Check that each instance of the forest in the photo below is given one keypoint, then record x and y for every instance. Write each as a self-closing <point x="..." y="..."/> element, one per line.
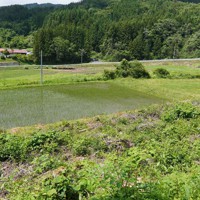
<point x="104" y="29"/>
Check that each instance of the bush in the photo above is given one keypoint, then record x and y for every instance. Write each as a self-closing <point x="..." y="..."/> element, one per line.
<point x="13" y="147"/>
<point x="45" y="162"/>
<point x="50" y="141"/>
<point x="58" y="188"/>
<point x="161" y="73"/>
<point x="183" y="111"/>
<point x="125" y="69"/>
<point x="24" y="59"/>
<point x="87" y="146"/>
<point x="109" y="74"/>
<point x="138" y="71"/>
<point x="3" y="57"/>
<point x="135" y="70"/>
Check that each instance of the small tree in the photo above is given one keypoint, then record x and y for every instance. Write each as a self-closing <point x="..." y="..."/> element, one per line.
<point x="109" y="74"/>
<point x="6" y="52"/>
<point x="3" y="57"/>
<point x="135" y="70"/>
<point x="161" y="73"/>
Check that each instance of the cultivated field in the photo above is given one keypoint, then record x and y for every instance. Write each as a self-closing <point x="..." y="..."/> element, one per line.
<point x="142" y="151"/>
<point x="78" y="91"/>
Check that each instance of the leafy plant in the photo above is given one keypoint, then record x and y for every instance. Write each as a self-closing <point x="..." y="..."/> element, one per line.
<point x="161" y="73"/>
<point x="109" y="75"/>
<point x="181" y="110"/>
<point x="12" y="147"/>
<point x="125" y="69"/>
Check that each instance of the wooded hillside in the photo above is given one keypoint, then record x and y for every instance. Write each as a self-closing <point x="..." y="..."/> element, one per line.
<point x="114" y="30"/>
<point x="105" y="29"/>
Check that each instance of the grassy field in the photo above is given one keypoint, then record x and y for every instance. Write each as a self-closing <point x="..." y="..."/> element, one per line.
<point x="78" y="91"/>
<point x="21" y="76"/>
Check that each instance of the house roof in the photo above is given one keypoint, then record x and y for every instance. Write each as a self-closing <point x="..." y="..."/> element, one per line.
<point x="15" y="51"/>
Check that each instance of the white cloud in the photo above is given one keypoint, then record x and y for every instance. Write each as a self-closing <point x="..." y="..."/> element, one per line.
<point x="12" y="2"/>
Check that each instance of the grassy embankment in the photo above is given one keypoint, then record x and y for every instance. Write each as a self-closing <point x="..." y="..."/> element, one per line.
<point x="146" y="154"/>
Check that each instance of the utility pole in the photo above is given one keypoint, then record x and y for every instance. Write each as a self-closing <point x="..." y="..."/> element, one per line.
<point x="82" y="52"/>
<point x="41" y="69"/>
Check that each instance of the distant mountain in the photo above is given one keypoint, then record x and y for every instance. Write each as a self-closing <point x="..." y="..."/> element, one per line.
<point x="191" y="1"/>
<point x="24" y="19"/>
<point x="44" y="5"/>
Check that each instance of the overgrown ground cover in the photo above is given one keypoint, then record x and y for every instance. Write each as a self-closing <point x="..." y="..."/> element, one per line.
<point x="151" y="153"/>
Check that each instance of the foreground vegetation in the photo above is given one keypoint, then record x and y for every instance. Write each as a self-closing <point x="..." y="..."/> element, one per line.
<point x="151" y="153"/>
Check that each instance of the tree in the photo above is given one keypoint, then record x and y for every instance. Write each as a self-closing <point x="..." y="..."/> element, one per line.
<point x="134" y="69"/>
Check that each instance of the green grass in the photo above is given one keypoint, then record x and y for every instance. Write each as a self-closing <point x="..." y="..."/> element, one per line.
<point x="11" y="77"/>
<point x="171" y="89"/>
<point x="66" y="95"/>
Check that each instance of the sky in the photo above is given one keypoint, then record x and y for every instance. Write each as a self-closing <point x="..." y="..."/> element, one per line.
<point x="12" y="2"/>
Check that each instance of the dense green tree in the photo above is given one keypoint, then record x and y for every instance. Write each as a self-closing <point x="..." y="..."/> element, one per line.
<point x="192" y="46"/>
<point x="111" y="29"/>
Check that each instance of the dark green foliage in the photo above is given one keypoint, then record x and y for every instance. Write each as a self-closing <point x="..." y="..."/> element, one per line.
<point x="134" y="70"/>
<point x="131" y="155"/>
<point x="161" y="73"/>
<point x="49" y="141"/>
<point x="22" y="20"/>
<point x="13" y="147"/>
<point x="28" y="59"/>
<point x="181" y="111"/>
<point x="109" y="75"/>
<point x="127" y="29"/>
<point x="59" y="188"/>
<point x="116" y="29"/>
<point x="138" y="70"/>
<point x="190" y="1"/>
<point x="126" y="69"/>
<point x="3" y="58"/>
<point x="88" y="146"/>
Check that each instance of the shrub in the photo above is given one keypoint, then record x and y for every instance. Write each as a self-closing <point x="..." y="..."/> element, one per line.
<point x="45" y="162"/>
<point x="3" y="57"/>
<point x="109" y="74"/>
<point x="182" y="110"/>
<point x="12" y="147"/>
<point x="49" y="141"/>
<point x="58" y="188"/>
<point x="138" y="71"/>
<point x="135" y="70"/>
<point x="125" y="69"/>
<point x="87" y="146"/>
<point x="161" y="73"/>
